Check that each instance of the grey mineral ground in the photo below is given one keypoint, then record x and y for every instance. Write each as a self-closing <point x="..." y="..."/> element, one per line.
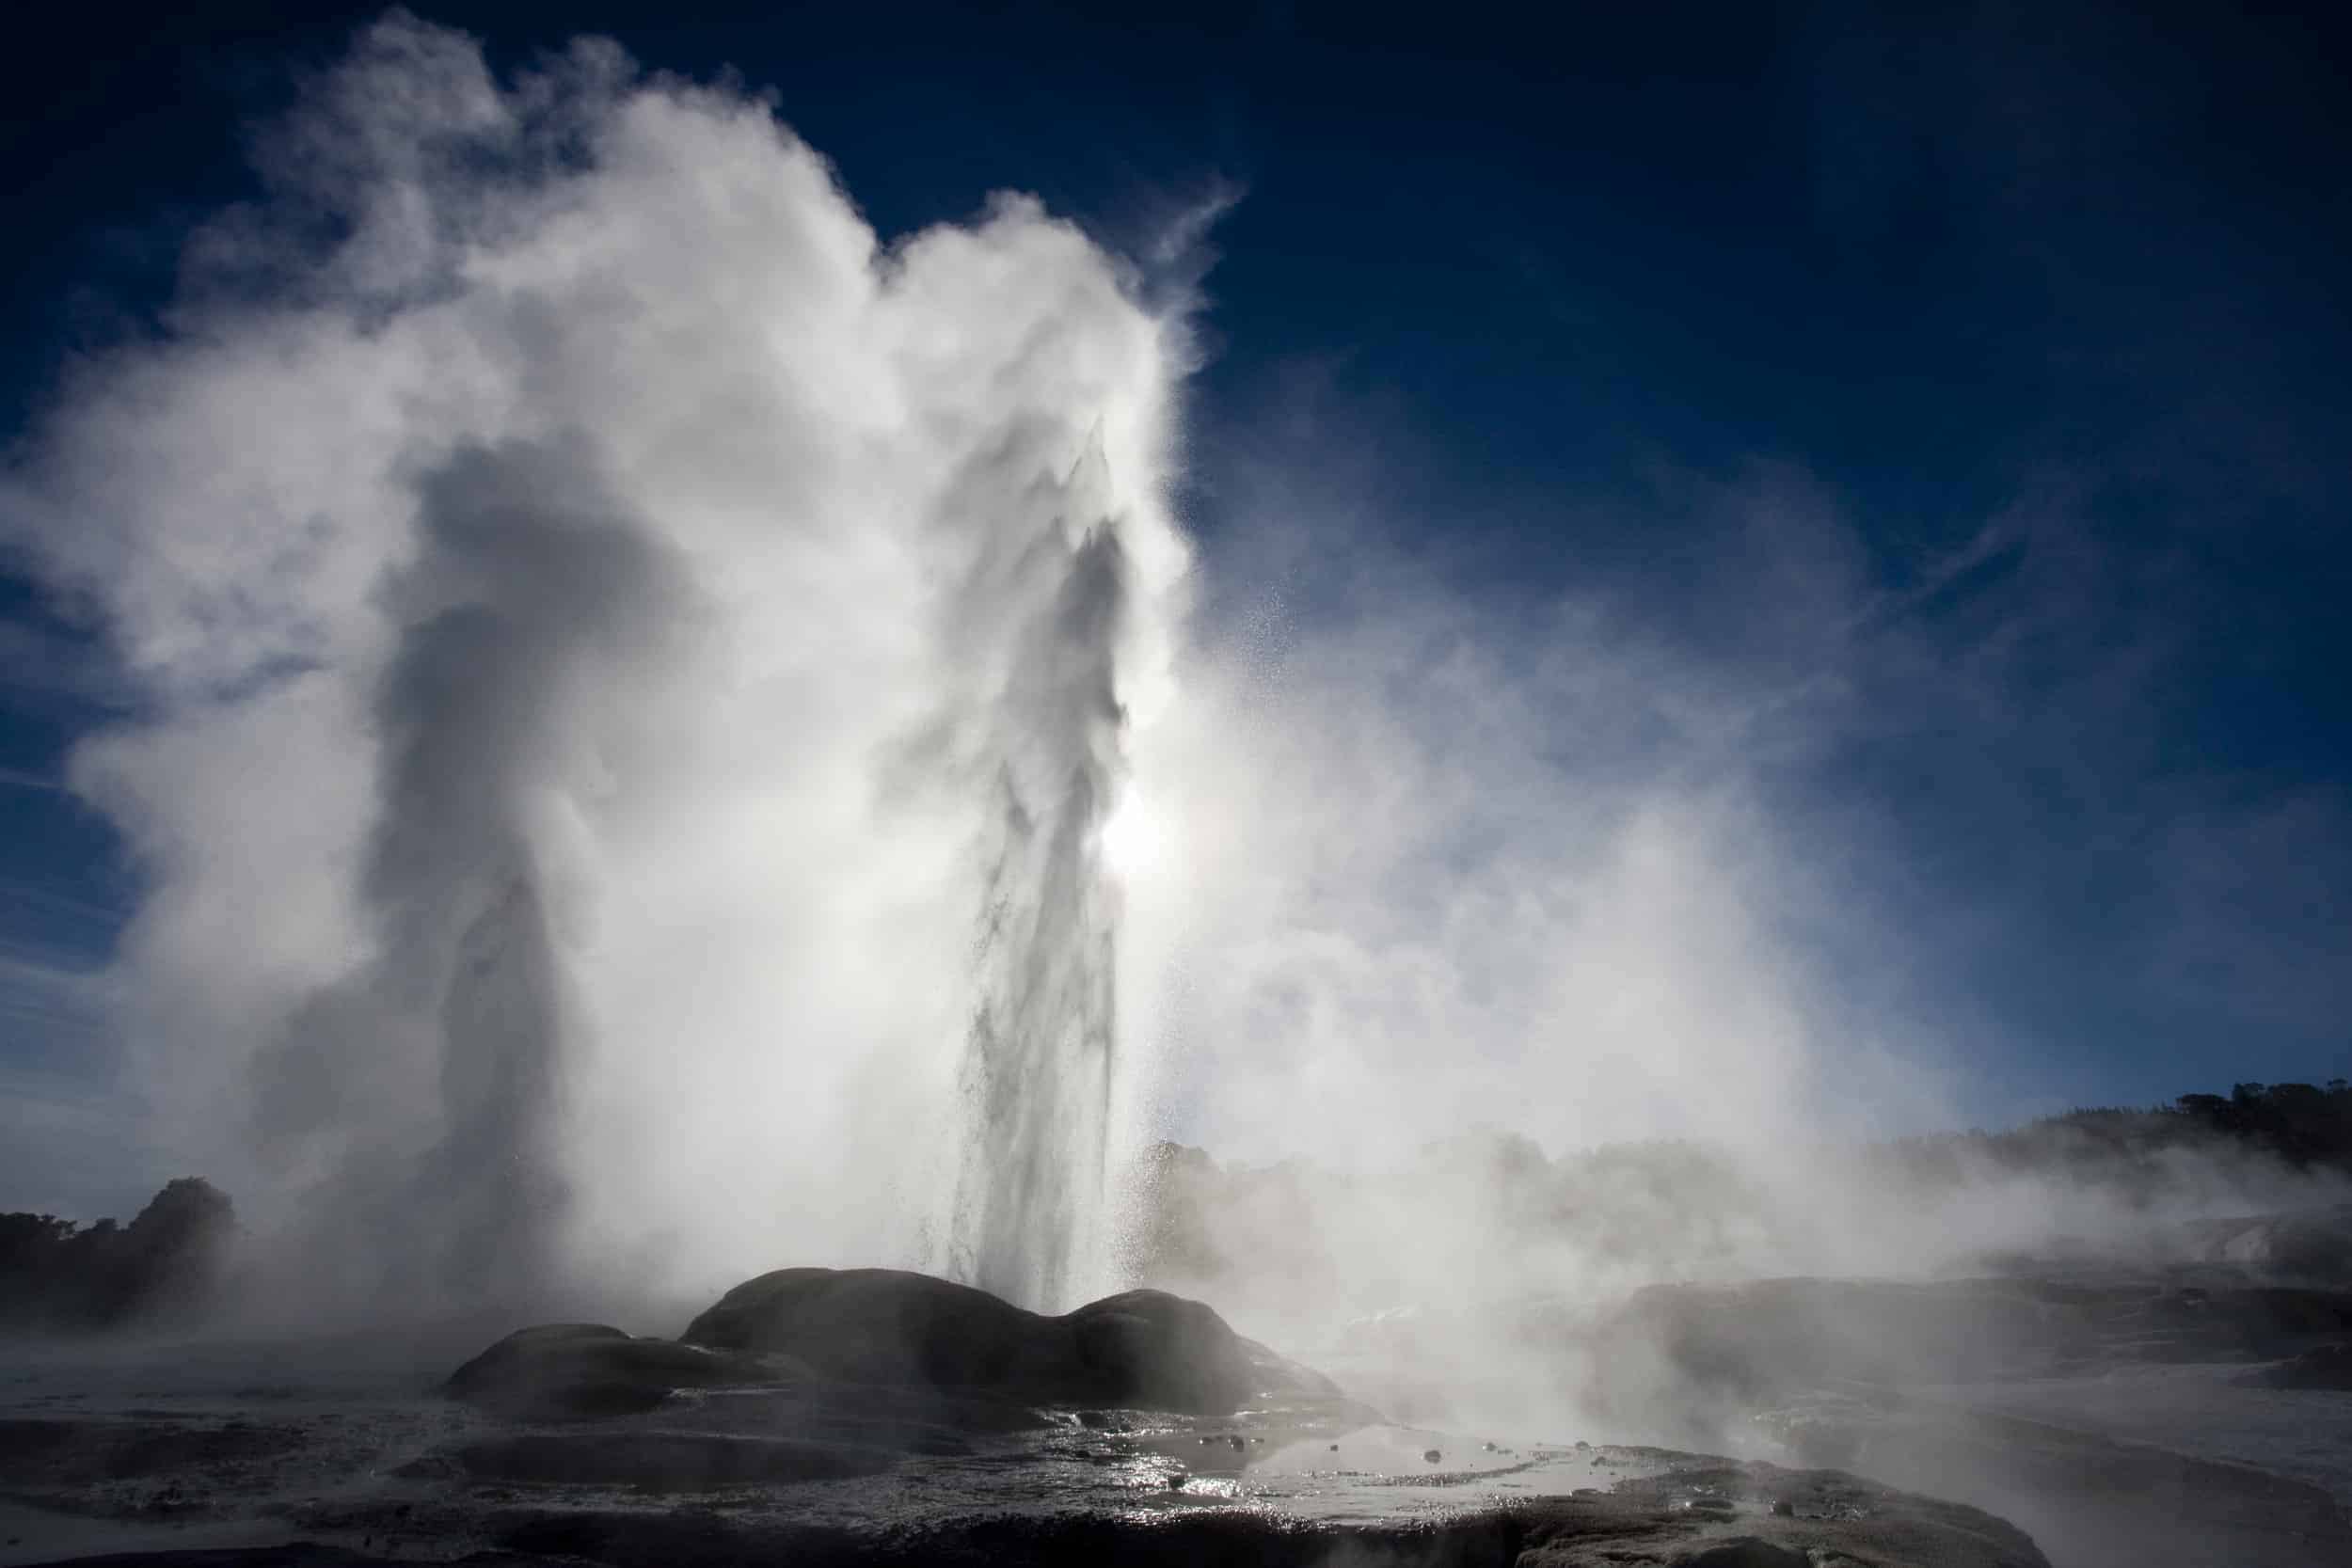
<point x="881" y="1419"/>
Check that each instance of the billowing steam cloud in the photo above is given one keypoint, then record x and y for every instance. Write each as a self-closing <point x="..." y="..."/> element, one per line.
<point x="632" y="675"/>
<point x="673" y="737"/>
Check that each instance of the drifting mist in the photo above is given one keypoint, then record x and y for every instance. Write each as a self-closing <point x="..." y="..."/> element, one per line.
<point x="630" y="674"/>
<point x="670" y="734"/>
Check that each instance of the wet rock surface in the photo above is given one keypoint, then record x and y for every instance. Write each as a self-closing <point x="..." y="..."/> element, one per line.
<point x="2175" y="1417"/>
<point x="888" y="1327"/>
<point x="862" y="1434"/>
<point x="2087" y="1498"/>
<point x="656" y="1460"/>
<point x="559" y="1369"/>
<point x="1065" y="1494"/>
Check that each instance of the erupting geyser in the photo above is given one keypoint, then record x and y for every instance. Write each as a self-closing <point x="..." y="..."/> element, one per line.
<point x="1052" y="580"/>
<point x="631" y="672"/>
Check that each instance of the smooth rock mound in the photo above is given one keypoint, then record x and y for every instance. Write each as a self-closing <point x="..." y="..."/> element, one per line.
<point x="1143" y="1348"/>
<point x="873" y="1325"/>
<point x="557" y="1370"/>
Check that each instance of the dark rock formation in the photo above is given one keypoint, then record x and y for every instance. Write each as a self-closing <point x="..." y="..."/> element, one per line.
<point x="559" y="1370"/>
<point x="883" y="1419"/>
<point x="887" y="1419"/>
<point x="873" y="1325"/>
<point x="1145" y="1348"/>
<point x="1160" y="1352"/>
<point x="923" y="1355"/>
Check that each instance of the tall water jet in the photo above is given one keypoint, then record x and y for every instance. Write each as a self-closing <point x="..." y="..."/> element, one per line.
<point x="627" y="673"/>
<point x="1044" y="612"/>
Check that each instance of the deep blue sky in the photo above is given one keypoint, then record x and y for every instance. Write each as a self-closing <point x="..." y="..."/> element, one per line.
<point x="2076" y="272"/>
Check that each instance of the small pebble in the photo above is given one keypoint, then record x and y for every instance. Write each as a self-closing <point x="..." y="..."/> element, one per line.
<point x="1433" y="1455"/>
<point x="1784" y="1508"/>
<point x="1238" y="1444"/>
<point x="1335" y="1447"/>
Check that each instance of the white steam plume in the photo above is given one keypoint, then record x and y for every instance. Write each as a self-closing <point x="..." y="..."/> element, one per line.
<point x="631" y="672"/>
<point x="668" y="743"/>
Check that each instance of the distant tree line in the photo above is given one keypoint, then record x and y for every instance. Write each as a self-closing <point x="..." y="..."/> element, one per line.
<point x="2302" y="1126"/>
<point x="2298" y="1123"/>
<point x="60" y="1276"/>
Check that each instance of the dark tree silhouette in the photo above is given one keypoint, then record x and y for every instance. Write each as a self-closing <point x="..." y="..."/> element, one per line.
<point x="166" y="1262"/>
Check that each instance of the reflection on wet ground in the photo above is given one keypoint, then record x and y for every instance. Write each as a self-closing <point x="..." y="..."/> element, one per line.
<point x="144" y="1455"/>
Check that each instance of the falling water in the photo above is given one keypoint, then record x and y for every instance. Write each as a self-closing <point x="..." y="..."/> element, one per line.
<point x="1043" y="611"/>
